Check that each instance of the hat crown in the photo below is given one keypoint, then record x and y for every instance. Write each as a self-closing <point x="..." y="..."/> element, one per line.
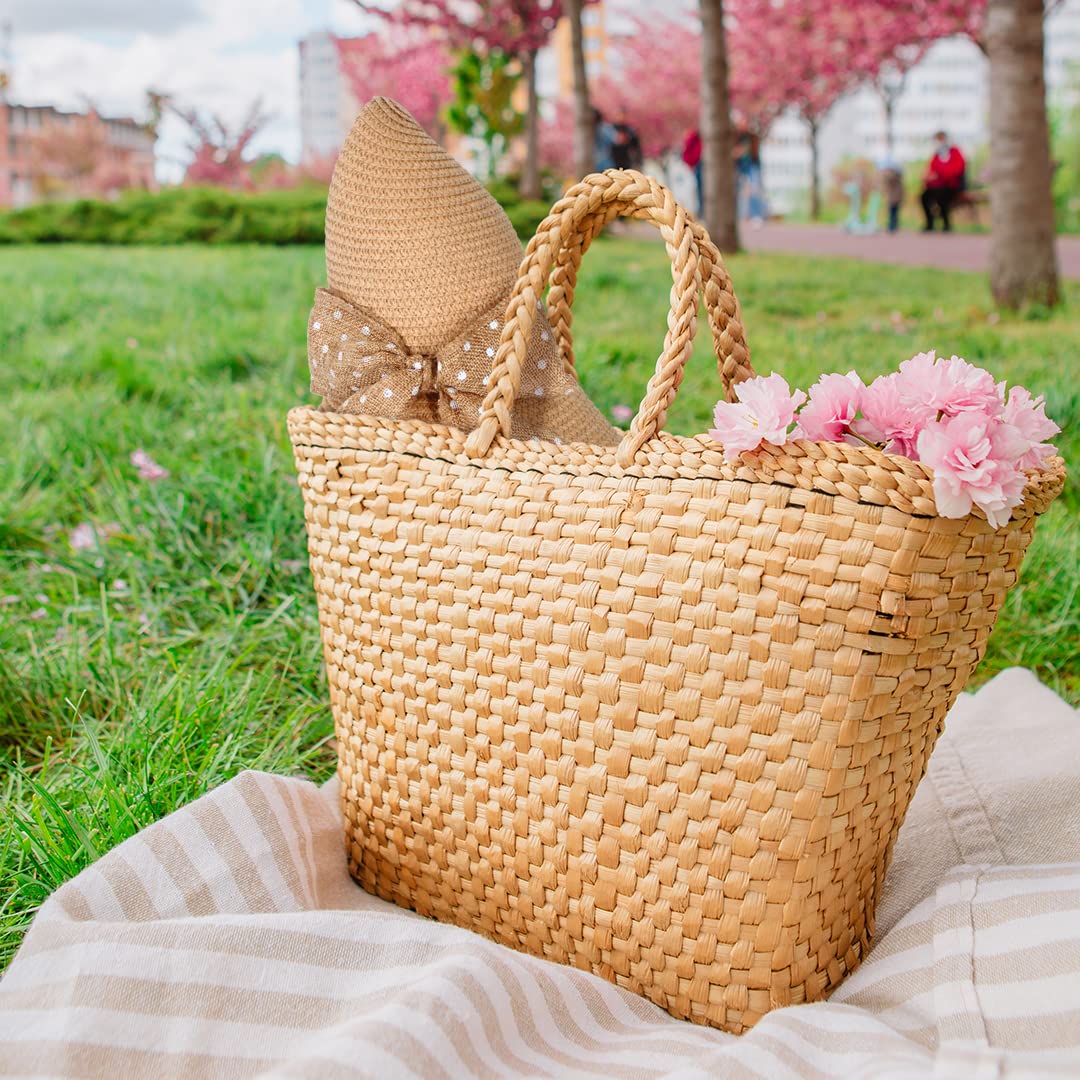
<point x="410" y="235"/>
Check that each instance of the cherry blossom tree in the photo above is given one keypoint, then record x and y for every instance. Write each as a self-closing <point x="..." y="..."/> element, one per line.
<point x="889" y="77"/>
<point x="557" y="143"/>
<point x="1023" y="259"/>
<point x="757" y="99"/>
<point x="584" y="115"/>
<point x="156" y="103"/>
<point x="69" y="155"/>
<point x="806" y="54"/>
<point x="797" y="54"/>
<point x="219" y="149"/>
<point x="1023" y="262"/>
<point x="889" y="39"/>
<point x="411" y="68"/>
<point x="654" y="83"/>
<point x="516" y="28"/>
<point x="717" y="134"/>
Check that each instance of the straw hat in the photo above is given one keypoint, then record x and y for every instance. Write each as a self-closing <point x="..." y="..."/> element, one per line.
<point x="420" y="262"/>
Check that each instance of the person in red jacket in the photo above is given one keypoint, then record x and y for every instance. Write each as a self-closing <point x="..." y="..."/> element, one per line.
<point x="691" y="156"/>
<point x="943" y="181"/>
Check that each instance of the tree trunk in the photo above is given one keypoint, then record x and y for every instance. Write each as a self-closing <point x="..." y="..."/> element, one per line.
<point x="889" y="101"/>
<point x="1023" y="261"/>
<point x="530" y="173"/>
<point x="716" y="133"/>
<point x="815" y="179"/>
<point x="584" y="123"/>
<point x="890" y="83"/>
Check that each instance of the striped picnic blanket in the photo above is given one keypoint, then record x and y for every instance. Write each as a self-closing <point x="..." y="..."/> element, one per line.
<point x="228" y="941"/>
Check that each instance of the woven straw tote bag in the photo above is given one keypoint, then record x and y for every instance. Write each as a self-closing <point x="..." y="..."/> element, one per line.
<point x="635" y="709"/>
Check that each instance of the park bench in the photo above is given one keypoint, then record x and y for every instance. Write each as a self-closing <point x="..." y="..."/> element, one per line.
<point x="971" y="199"/>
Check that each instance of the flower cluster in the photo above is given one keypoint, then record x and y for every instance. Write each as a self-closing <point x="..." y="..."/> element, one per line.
<point x="948" y="414"/>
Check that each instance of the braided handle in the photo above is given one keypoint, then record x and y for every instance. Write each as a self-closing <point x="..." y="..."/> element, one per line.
<point x="556" y="250"/>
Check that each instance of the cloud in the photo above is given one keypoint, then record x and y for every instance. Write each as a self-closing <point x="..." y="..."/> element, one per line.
<point x="216" y="56"/>
<point x="98" y="16"/>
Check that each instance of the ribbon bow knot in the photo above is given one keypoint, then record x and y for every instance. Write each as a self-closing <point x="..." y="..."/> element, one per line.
<point x="360" y="365"/>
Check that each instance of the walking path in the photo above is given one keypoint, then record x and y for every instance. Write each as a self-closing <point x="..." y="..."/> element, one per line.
<point x="946" y="251"/>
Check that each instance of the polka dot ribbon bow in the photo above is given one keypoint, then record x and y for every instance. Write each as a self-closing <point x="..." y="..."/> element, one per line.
<point x="361" y="366"/>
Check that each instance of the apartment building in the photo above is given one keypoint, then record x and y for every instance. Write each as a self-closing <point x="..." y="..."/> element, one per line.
<point x="327" y="105"/>
<point x="117" y="153"/>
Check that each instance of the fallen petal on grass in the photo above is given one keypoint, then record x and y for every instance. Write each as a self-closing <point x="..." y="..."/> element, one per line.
<point x="84" y="537"/>
<point x="148" y="468"/>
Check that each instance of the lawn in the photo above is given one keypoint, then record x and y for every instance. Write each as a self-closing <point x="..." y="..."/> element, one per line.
<point x="182" y="645"/>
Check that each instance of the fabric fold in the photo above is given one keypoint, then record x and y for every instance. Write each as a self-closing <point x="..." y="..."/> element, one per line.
<point x="229" y="940"/>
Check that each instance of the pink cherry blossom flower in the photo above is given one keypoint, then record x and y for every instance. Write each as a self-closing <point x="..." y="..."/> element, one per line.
<point x="622" y="414"/>
<point x="965" y="452"/>
<point x="888" y="420"/>
<point x="84" y="537"/>
<point x="1027" y="417"/>
<point x="148" y="468"/>
<point x="834" y="403"/>
<point x="764" y="413"/>
<point x="947" y="386"/>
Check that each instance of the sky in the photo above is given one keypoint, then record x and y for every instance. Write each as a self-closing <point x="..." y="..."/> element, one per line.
<point x="216" y="55"/>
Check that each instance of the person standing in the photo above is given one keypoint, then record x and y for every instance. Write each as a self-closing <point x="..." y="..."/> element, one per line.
<point x="691" y="156"/>
<point x="892" y="187"/>
<point x="604" y="144"/>
<point x="943" y="181"/>
<point x="626" y="151"/>
<point x="750" y="187"/>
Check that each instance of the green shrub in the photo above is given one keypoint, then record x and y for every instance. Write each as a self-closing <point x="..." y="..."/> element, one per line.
<point x="1065" y="149"/>
<point x="505" y="190"/>
<point x="202" y="215"/>
<point x="175" y="216"/>
<point x="525" y="216"/>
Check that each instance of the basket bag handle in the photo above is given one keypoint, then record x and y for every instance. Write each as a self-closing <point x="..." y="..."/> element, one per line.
<point x="555" y="252"/>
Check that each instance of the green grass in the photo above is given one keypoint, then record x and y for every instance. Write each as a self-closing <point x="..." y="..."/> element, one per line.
<point x="184" y="647"/>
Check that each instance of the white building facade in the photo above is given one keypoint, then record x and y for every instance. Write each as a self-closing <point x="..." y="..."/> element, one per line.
<point x="327" y="105"/>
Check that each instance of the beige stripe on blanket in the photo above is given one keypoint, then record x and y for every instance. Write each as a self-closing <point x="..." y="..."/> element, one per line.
<point x="228" y="940"/>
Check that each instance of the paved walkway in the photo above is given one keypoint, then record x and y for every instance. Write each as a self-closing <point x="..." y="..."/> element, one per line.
<point x="947" y="251"/>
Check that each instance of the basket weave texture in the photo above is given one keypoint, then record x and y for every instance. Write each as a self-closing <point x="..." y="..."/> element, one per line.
<point x="635" y="709"/>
